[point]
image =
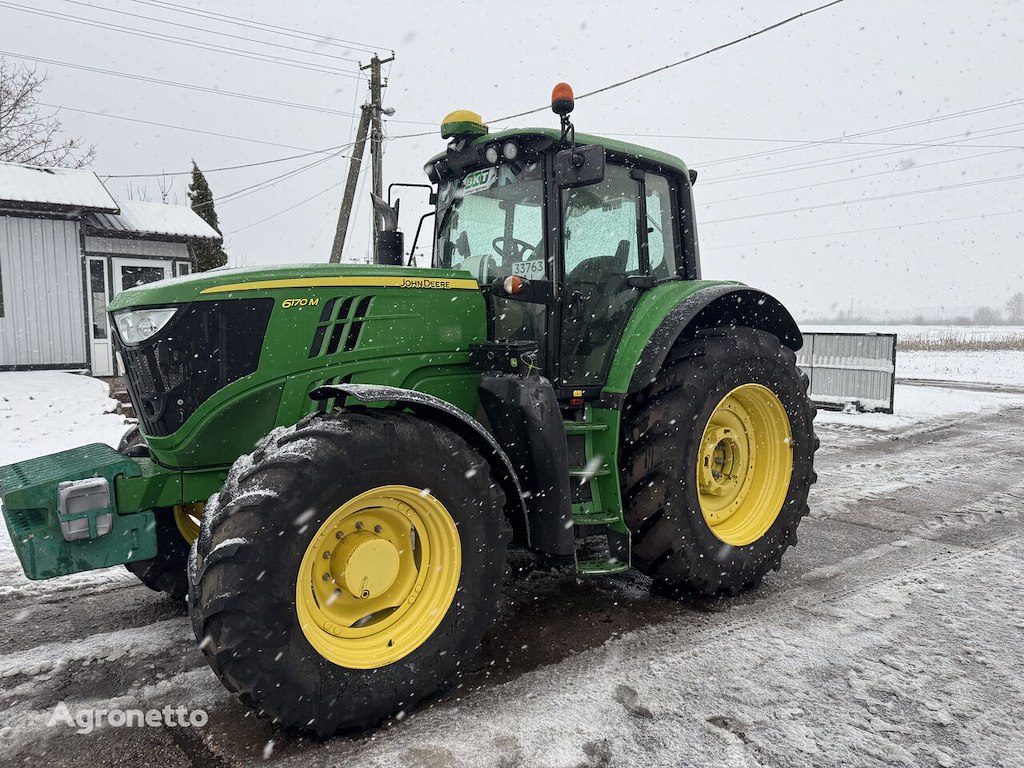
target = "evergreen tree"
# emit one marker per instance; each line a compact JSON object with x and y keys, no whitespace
{"x":209,"y":254}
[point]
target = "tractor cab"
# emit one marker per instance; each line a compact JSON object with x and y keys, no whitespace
{"x":563,"y":232}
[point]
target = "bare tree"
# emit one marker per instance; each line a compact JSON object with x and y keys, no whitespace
{"x":29,"y":135}
{"x":987,"y":316}
{"x":1015,"y":308}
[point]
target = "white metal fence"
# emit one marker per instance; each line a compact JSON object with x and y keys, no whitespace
{"x":850,"y":369}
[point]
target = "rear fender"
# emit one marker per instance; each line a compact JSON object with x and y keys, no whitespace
{"x":717,"y":306}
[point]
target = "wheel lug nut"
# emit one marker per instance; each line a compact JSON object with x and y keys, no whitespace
{"x":339,"y":535}
{"x":377,"y":528}
{"x":359,"y":525}
{"x":327,"y":555}
{"x":326,"y":577}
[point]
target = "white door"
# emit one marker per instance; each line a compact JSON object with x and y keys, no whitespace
{"x":99,"y":329}
{"x":129,"y":273}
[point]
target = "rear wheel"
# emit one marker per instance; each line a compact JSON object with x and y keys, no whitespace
{"x":718,"y":461}
{"x":348,"y":568}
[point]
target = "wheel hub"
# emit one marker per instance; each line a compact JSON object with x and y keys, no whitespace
{"x":365,"y":564}
{"x":721,"y":470}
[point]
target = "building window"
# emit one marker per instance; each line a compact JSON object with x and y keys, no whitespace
{"x":98,"y":297}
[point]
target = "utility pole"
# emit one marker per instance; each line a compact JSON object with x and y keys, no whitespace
{"x":376,"y":138}
{"x":349,"y":197}
{"x":369,"y":120}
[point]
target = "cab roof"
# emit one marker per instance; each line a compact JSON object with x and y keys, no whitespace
{"x":613,"y":145}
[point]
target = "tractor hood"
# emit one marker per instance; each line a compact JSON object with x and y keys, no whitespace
{"x":304,"y":280}
{"x":214,"y":361}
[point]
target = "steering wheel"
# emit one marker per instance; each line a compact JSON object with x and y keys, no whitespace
{"x":520,"y":248}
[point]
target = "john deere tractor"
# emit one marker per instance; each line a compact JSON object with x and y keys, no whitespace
{"x":332,"y":460}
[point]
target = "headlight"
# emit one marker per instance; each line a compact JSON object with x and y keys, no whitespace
{"x":137,"y":325}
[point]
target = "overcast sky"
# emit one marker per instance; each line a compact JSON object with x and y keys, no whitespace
{"x":766,"y":219}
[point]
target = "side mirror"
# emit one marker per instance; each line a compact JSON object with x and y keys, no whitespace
{"x":580,"y":166}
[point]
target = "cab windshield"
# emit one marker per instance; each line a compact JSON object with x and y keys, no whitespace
{"x":490,"y":222}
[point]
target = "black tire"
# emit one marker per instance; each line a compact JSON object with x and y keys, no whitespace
{"x":663,"y":427}
{"x":168,"y":571}
{"x":243,"y":595}
{"x":133,"y":444}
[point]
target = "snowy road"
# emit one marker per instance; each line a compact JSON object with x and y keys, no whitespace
{"x":894,"y":635}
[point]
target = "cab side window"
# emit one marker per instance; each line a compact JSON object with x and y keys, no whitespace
{"x":601,"y":225}
{"x":661,"y":229}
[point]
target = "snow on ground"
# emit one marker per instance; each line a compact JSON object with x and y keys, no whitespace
{"x":44,"y":412}
{"x":917,"y":407}
{"x":1004,"y":366}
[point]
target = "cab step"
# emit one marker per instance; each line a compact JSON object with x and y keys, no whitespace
{"x":596,"y":518}
{"x":583,"y":427}
{"x":616,"y":561}
{"x":585,"y":473}
{"x":600,"y":567}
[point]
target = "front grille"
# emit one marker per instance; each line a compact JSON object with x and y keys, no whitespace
{"x":202,"y":351}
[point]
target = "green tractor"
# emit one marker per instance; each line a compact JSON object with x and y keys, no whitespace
{"x":332,"y":460}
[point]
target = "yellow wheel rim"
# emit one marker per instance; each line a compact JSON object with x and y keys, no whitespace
{"x":745,"y":464}
{"x":187,"y":517}
{"x":378,"y":577}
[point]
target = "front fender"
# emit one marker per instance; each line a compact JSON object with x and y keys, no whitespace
{"x":452,"y":417}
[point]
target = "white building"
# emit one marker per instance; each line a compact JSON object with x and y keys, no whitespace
{"x":66,"y":249}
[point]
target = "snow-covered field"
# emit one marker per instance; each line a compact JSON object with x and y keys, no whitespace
{"x":891,"y":637}
{"x":1003,"y":367}
{"x":933,"y":333}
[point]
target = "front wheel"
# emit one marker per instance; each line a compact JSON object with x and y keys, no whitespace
{"x":718,"y":462}
{"x":348,"y":568}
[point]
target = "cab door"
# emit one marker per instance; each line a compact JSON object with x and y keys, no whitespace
{"x":602,"y":240}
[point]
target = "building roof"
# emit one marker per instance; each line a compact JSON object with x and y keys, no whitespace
{"x":57,"y":189}
{"x":156,"y":219}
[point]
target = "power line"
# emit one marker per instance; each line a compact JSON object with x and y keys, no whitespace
{"x":256,"y":56}
{"x":872,"y":132}
{"x":286,"y":210}
{"x":904,"y":144}
{"x":316,"y":37}
{"x":858,"y":231}
{"x":272,"y":181}
{"x":112,"y":116}
{"x":831,"y":162}
{"x":208,"y":31}
{"x":175,"y":84}
{"x":688,"y":59}
{"x":887,"y":172}
{"x":867,"y":199}
{"x":326,"y":150}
